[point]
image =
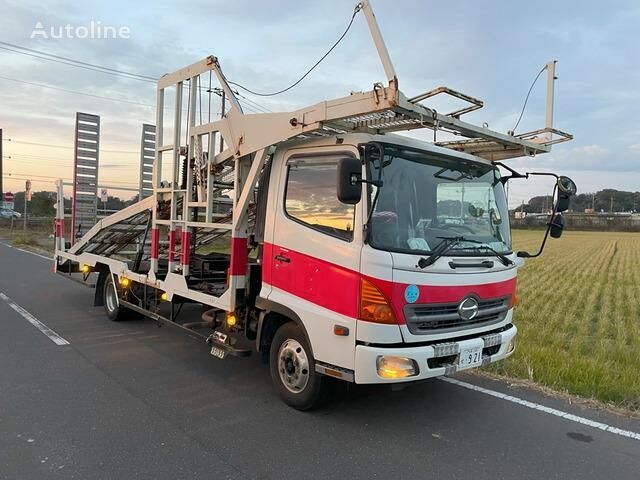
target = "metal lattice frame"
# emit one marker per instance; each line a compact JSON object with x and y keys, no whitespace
{"x":147,"y":156}
{"x":85,"y":173}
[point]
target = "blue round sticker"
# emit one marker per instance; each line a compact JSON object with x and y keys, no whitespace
{"x":411,"y":294}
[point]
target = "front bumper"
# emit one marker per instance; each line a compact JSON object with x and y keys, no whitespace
{"x":433,"y":360}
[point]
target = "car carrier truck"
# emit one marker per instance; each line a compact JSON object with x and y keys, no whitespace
{"x":320,"y":238}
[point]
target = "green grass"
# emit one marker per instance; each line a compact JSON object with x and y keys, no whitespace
{"x":37,"y":239}
{"x":578,"y":316}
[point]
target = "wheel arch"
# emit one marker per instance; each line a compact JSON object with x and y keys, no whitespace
{"x":273,"y":315}
{"x":104,"y":270}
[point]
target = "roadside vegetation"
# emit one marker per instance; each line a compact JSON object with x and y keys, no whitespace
{"x":578,"y":316}
{"x":37,"y":239}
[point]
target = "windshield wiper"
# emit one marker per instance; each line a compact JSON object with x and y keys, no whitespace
{"x":443,"y":247}
{"x":448,"y":243}
{"x":506,"y":261}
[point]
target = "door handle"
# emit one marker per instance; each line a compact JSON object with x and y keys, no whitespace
{"x":282,"y":258}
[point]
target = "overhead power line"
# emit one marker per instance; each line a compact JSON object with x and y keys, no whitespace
{"x":73,"y":62}
{"x":78,"y":93}
{"x":64,"y":146}
{"x":30,"y":176}
{"x":93,"y":67}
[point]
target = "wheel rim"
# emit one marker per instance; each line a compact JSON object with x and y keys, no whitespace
{"x":293,"y":366}
{"x":110,"y":298}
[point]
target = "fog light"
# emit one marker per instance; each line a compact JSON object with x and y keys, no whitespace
{"x":396,"y":367}
{"x":512,"y":345}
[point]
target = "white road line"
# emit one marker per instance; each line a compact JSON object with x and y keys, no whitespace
{"x":53,"y":336}
{"x":552,"y":411}
{"x":33,"y":253}
{"x":27,"y":251}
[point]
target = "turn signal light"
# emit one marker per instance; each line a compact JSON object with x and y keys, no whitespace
{"x":163,"y":297}
{"x":85,"y":269}
{"x":124,"y":282}
{"x":374,"y":306}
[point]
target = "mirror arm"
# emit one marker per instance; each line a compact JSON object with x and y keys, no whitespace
{"x":375,"y":183}
{"x":546,"y":233}
{"x":514,"y":173}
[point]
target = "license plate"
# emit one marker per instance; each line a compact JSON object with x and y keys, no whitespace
{"x":218,"y":352}
{"x":470,"y":357}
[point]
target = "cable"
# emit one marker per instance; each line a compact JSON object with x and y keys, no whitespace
{"x":356,"y":10}
{"x":250,"y":102}
{"x":78,"y":93}
{"x":527,"y":97}
{"x":64,"y":146}
{"x":92,"y":67}
{"x":70,"y":61}
{"x":29,"y":176}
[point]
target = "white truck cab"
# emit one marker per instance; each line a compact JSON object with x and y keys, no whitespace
{"x":351,"y":273}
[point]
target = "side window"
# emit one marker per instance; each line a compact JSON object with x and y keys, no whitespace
{"x":311,"y":199}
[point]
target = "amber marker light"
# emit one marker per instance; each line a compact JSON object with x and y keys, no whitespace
{"x":374,"y":306}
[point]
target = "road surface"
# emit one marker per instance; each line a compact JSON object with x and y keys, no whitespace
{"x":131,"y":400}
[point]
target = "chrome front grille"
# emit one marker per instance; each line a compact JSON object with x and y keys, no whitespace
{"x":441,"y":317}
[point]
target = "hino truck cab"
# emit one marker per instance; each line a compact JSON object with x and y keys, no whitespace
{"x":394,"y":258}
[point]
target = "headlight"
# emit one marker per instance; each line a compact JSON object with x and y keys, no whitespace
{"x":396,"y":367}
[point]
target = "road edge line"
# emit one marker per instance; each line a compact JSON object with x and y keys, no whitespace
{"x":552,"y":411}
{"x":53,"y":336}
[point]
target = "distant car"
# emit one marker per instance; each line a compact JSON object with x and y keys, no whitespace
{"x":6,"y":213}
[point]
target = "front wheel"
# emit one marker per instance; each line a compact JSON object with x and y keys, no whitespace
{"x":293,"y":369}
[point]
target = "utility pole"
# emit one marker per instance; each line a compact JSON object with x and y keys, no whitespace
{"x":611,"y":210}
{"x":27,"y":196}
{"x":221,"y":117}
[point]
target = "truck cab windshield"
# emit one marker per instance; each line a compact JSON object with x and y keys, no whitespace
{"x":426,"y":197}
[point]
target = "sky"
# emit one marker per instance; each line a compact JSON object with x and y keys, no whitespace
{"x":490,"y":50}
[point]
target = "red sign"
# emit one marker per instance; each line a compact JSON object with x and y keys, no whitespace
{"x":8,"y":197}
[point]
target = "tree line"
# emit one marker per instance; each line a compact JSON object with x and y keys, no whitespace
{"x":607,"y":200}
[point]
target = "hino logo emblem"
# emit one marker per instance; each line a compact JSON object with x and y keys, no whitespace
{"x":468,"y":308}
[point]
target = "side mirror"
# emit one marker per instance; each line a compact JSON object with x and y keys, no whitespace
{"x":556,"y":226}
{"x":349,"y":180}
{"x":566,"y":189}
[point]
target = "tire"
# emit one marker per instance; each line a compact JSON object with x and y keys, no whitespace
{"x":293,"y":369}
{"x":114,"y":311}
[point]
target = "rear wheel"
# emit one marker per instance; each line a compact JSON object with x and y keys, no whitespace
{"x":111,"y":305}
{"x":293,"y":369}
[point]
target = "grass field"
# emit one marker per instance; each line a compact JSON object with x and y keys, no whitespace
{"x":578,"y":316}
